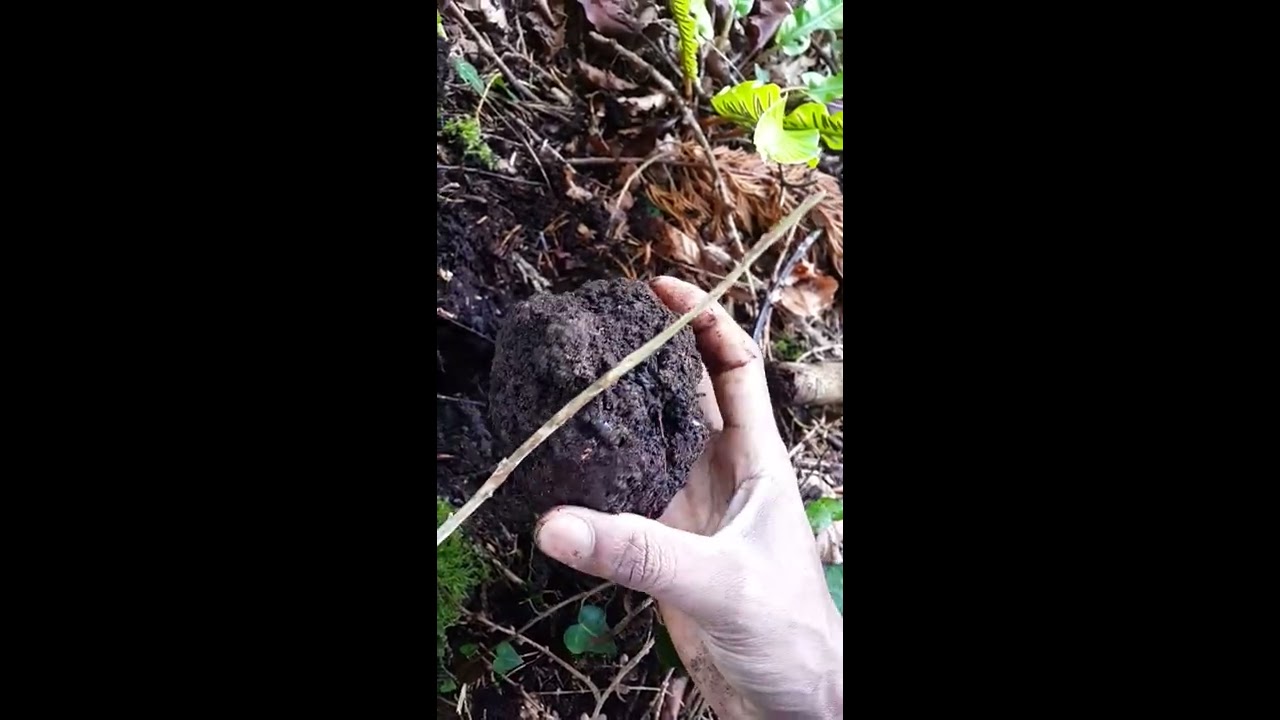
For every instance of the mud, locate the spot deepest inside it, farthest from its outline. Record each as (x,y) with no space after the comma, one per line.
(630,449)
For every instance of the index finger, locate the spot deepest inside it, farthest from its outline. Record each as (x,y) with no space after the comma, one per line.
(730,355)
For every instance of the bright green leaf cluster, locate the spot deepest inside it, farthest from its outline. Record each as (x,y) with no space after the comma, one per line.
(786,139)
(822,512)
(590,634)
(458,571)
(811,16)
(440,26)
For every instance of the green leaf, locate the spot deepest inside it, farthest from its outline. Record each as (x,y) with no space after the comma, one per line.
(742,8)
(835,585)
(822,512)
(779,144)
(468,72)
(591,634)
(446,686)
(813,15)
(579,640)
(814,116)
(822,88)
(668,658)
(762,75)
(440,26)
(746,102)
(505,658)
(702,17)
(592,618)
(467,649)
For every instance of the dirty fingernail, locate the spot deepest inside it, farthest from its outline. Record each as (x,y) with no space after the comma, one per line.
(566,538)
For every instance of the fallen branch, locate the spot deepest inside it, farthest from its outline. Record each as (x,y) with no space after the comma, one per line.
(794,384)
(509,463)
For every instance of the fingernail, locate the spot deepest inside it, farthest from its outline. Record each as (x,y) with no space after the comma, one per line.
(565,537)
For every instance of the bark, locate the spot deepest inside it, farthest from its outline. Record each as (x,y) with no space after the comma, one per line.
(794,384)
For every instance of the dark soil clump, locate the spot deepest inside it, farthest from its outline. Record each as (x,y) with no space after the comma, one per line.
(630,449)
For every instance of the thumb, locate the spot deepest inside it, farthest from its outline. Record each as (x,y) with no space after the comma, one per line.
(691,572)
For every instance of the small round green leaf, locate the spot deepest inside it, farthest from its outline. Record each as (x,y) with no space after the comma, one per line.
(591,617)
(467,649)
(505,658)
(577,639)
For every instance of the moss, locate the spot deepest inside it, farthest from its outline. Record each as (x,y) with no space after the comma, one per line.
(458,571)
(465,131)
(787,349)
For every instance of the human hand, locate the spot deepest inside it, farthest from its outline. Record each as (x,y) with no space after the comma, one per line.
(731,562)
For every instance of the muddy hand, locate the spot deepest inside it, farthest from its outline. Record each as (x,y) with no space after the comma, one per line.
(732,561)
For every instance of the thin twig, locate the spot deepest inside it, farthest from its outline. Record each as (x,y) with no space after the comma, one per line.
(600,699)
(541,648)
(627,364)
(617,206)
(456,13)
(656,707)
(775,292)
(499,176)
(446,315)
(580,596)
(465,401)
(617,630)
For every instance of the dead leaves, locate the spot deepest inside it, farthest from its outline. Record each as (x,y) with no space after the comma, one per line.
(611,17)
(678,246)
(808,292)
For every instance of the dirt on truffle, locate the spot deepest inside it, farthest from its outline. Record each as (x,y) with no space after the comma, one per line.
(631,448)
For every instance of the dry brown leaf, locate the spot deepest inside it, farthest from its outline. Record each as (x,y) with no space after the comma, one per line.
(611,17)
(491,10)
(677,245)
(603,78)
(807,291)
(717,258)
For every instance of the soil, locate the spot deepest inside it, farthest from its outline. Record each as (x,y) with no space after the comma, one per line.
(631,448)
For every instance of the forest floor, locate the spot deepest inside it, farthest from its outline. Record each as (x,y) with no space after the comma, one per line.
(561,158)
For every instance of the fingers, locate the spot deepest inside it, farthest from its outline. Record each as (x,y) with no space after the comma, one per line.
(689,571)
(730,355)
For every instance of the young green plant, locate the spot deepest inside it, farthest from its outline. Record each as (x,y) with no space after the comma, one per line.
(780,137)
(590,634)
